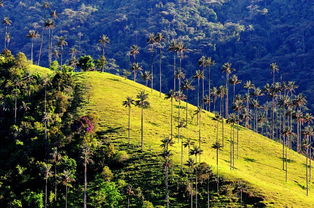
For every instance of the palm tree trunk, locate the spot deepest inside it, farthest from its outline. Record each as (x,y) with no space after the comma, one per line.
(85,183)
(160,71)
(46,192)
(227,96)
(55,182)
(198,92)
(209,93)
(171,119)
(203,89)
(196,190)
(66,196)
(15,108)
(167,187)
(186,113)
(129,126)
(174,72)
(49,48)
(307,174)
(41,47)
(32,50)
(142,129)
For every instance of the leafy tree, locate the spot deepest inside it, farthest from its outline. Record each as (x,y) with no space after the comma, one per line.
(86,63)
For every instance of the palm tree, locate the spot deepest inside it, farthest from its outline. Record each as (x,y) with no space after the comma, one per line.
(32,34)
(198,75)
(210,63)
(134,51)
(234,80)
(274,68)
(307,132)
(191,165)
(62,43)
(147,76)
(87,159)
(160,38)
(196,151)
(67,179)
(151,49)
(171,95)
(128,104)
(166,155)
(248,85)
(142,103)
(187,85)
(214,95)
(103,40)
(6,22)
(217,146)
(56,157)
(50,25)
(287,133)
(202,62)
(226,68)
(198,112)
(135,69)
(46,170)
(174,48)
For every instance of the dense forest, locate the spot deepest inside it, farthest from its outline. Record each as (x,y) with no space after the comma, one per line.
(249,34)
(248,62)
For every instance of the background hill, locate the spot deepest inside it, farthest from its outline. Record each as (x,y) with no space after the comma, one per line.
(250,34)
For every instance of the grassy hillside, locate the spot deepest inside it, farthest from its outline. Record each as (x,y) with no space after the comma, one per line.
(259,162)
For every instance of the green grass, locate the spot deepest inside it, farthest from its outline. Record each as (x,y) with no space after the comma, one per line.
(259,162)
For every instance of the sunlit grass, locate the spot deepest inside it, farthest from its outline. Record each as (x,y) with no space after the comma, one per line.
(259,162)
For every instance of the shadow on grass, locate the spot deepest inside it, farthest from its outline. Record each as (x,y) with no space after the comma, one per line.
(114,79)
(300,185)
(247,159)
(288,160)
(110,130)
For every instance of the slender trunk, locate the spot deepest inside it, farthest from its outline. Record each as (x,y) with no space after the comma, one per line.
(160,71)
(198,92)
(49,48)
(66,196)
(134,76)
(171,119)
(208,193)
(203,89)
(174,72)
(55,182)
(85,183)
(186,113)
(61,56)
(227,96)
(5,40)
(167,187)
(46,192)
(129,126)
(307,167)
(209,88)
(32,50)
(238,141)
(142,129)
(196,190)
(15,108)
(41,47)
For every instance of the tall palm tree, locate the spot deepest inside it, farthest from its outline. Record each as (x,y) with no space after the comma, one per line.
(214,95)
(166,154)
(210,63)
(234,80)
(174,48)
(191,166)
(202,62)
(134,51)
(67,179)
(160,38)
(274,69)
(103,40)
(287,133)
(151,49)
(226,68)
(62,43)
(135,68)
(142,103)
(56,157)
(248,85)
(49,25)
(147,76)
(307,132)
(198,112)
(128,104)
(196,151)
(87,159)
(186,86)
(32,34)
(171,95)
(46,170)
(217,146)
(198,75)
(6,22)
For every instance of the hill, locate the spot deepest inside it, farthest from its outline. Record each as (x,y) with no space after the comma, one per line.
(259,163)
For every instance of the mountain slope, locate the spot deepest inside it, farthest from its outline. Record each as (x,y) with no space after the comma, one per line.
(259,161)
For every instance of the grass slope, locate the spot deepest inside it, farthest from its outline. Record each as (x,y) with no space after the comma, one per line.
(259,162)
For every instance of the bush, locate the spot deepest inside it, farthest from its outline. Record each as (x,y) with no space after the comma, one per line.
(107,173)
(121,157)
